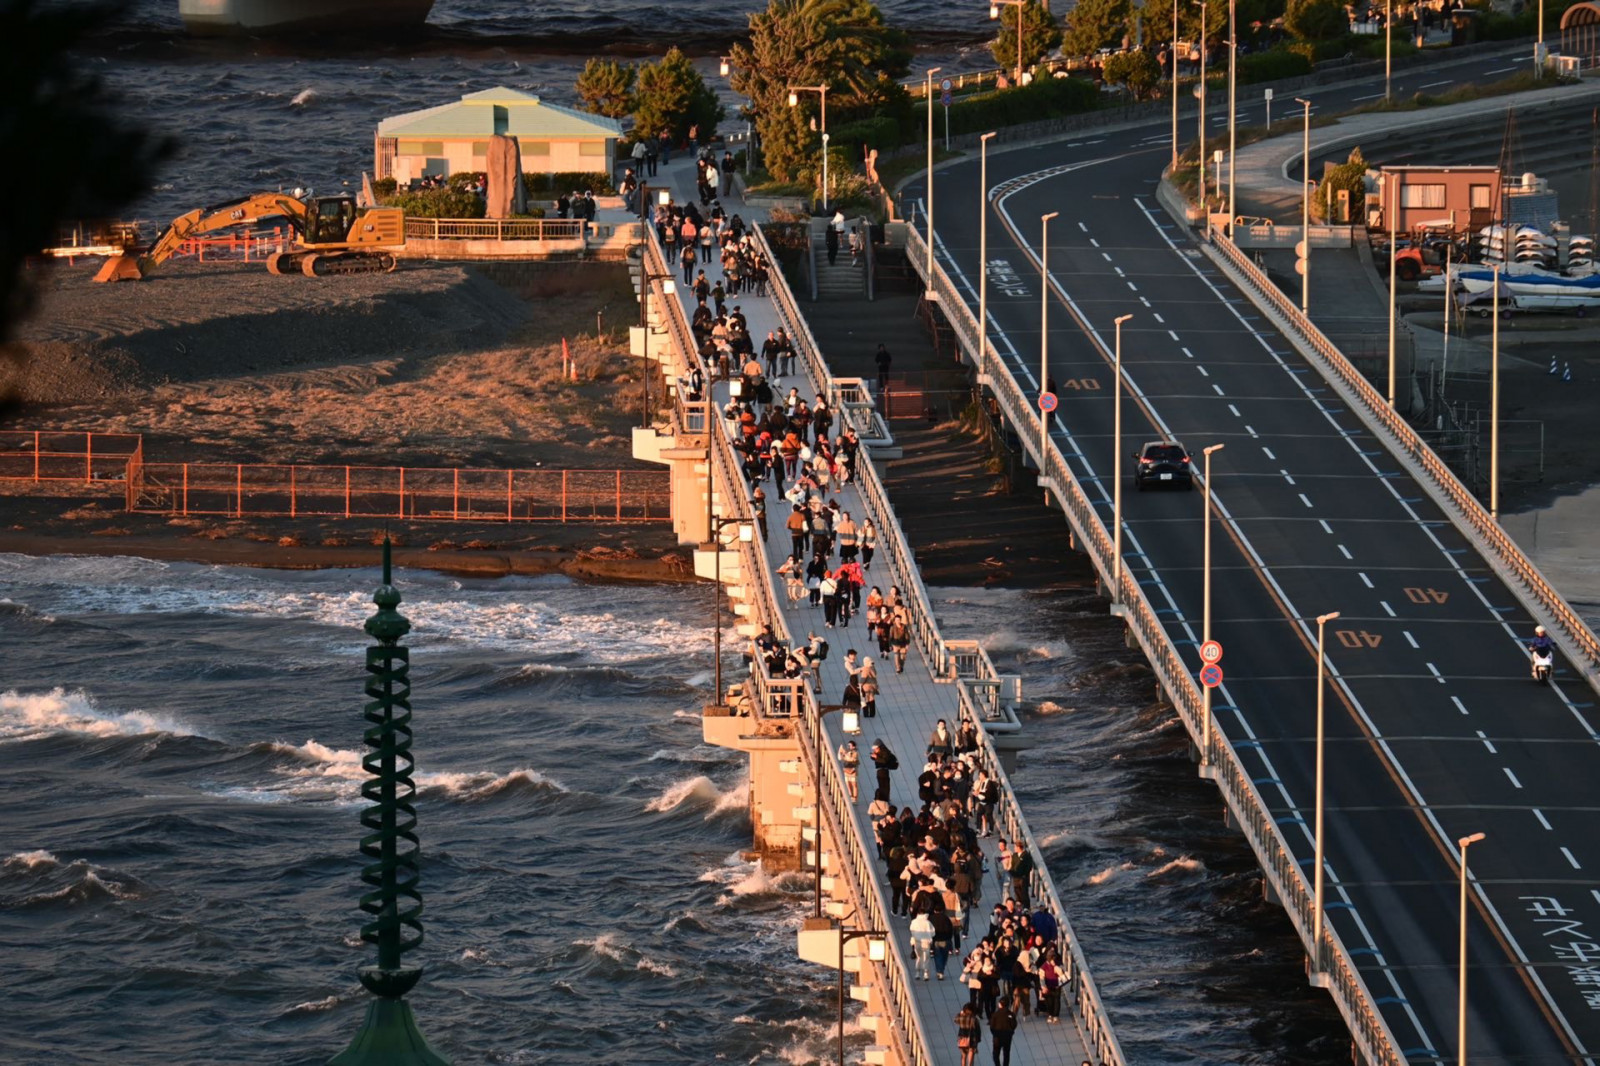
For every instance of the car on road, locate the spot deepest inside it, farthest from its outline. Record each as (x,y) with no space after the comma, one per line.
(1162,462)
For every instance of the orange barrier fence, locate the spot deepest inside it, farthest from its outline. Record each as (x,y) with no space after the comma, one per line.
(254,490)
(90,458)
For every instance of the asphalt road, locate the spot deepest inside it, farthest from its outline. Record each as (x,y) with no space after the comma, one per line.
(1434,730)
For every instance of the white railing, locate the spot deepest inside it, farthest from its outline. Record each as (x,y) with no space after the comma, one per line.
(1283,872)
(1463,508)
(494,229)
(796,700)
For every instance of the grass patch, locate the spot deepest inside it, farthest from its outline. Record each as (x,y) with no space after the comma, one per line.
(899,168)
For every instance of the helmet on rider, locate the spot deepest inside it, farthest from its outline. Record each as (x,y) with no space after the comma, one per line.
(1538,631)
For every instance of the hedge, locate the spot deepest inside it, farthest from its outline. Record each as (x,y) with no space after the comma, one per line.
(1043,98)
(880,132)
(552,185)
(1272,64)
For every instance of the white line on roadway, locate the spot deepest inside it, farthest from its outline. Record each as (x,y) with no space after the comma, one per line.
(1133,287)
(1120,274)
(1107,255)
(1385,605)
(1143,300)
(1174,336)
(1219,389)
(1365,580)
(1203,372)
(1570,859)
(1250,430)
(1285,474)
(1323,522)
(1537,813)
(1094,242)
(1268,453)
(1500,70)
(1185,351)
(1304,500)
(1436,84)
(1346,553)
(1434,670)
(1358,99)
(1159,319)
(1235,411)
(1411,640)
(1083,227)
(1462,707)
(1485,738)
(1514,782)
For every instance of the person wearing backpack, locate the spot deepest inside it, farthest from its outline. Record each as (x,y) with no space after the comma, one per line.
(886,762)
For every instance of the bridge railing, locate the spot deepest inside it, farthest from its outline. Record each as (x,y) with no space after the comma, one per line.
(1470,516)
(1283,871)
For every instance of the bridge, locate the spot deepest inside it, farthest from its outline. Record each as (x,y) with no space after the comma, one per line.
(1421,727)
(799,798)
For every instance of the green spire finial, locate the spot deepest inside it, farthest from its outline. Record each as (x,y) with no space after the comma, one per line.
(389,1035)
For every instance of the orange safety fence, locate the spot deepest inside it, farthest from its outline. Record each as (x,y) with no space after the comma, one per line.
(90,458)
(241,490)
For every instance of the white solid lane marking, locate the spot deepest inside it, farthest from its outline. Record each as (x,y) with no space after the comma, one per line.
(1120,274)
(1094,242)
(1537,813)
(1142,299)
(1570,859)
(1268,453)
(1365,580)
(1386,608)
(1436,84)
(1174,336)
(1323,522)
(1158,318)
(1304,500)
(1434,670)
(1235,411)
(1358,99)
(1083,227)
(1485,738)
(1203,372)
(1187,352)
(1346,553)
(1252,431)
(1219,390)
(1500,70)
(1515,783)
(1286,476)
(1462,707)
(1107,255)
(1411,640)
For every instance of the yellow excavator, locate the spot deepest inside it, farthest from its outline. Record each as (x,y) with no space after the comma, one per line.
(332,236)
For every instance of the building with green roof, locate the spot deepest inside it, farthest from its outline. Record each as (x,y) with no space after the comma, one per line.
(452,138)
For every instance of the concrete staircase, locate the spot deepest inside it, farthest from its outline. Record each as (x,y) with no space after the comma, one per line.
(841,281)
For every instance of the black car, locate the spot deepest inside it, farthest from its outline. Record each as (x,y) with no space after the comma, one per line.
(1162,462)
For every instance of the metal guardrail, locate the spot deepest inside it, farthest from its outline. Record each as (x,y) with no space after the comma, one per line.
(494,229)
(1283,871)
(1469,516)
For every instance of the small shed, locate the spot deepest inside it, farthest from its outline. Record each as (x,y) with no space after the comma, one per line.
(1580,31)
(1457,197)
(452,138)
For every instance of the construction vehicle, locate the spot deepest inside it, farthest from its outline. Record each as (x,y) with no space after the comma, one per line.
(332,236)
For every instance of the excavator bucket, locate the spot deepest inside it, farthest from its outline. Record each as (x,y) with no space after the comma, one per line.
(120,268)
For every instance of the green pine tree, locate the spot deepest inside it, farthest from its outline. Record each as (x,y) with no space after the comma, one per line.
(606,87)
(1041,33)
(672,96)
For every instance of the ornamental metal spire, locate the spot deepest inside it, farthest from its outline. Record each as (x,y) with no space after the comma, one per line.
(389,1036)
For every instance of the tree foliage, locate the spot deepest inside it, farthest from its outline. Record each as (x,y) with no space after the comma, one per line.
(1095,24)
(83,162)
(1137,71)
(1350,175)
(843,44)
(672,96)
(1041,33)
(606,87)
(1316,20)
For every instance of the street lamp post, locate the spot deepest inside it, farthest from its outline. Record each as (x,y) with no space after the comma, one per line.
(1391,207)
(669,287)
(1201,96)
(877,951)
(983,252)
(816,752)
(1233,110)
(747,533)
(1316,906)
(794,101)
(1388,45)
(1044,334)
(1494,401)
(1116,472)
(994,13)
(1205,622)
(1305,209)
(927,90)
(1216,161)
(1538,46)
(1173,55)
(1461,976)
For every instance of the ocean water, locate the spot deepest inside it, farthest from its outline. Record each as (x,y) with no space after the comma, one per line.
(261,114)
(179,771)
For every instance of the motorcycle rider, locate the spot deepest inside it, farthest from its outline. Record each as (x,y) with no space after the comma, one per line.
(1542,650)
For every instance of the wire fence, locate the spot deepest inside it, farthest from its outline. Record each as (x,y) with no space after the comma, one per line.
(86,458)
(255,490)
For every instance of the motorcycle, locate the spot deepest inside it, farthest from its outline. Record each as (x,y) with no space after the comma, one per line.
(1543,662)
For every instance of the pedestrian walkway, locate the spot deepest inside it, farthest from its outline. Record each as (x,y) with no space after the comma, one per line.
(909,706)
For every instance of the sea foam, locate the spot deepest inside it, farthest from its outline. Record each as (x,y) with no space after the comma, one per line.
(28,715)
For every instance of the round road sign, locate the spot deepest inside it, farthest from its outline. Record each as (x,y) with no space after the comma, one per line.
(1047,402)
(946,84)
(1211,675)
(1211,652)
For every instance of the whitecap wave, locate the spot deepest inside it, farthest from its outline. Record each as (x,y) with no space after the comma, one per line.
(701,791)
(1182,865)
(31,860)
(27,716)
(1108,874)
(303,97)
(314,1006)
(606,946)
(323,767)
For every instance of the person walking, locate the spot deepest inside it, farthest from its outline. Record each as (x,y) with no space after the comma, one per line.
(900,641)
(686,259)
(884,761)
(1002,1026)
(969,1034)
(884,361)
(869,688)
(922,943)
(868,535)
(943,938)
(831,241)
(1021,871)
(850,757)
(855,246)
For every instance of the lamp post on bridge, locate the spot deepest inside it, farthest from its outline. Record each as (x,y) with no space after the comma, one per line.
(1233,110)
(1044,334)
(669,287)
(1319,979)
(1461,976)
(1116,472)
(794,101)
(877,951)
(747,533)
(1205,623)
(927,91)
(1174,58)
(1305,209)
(1200,94)
(994,13)
(816,752)
(983,252)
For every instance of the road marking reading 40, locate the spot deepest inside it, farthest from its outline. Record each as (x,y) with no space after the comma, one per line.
(1351,638)
(1426,596)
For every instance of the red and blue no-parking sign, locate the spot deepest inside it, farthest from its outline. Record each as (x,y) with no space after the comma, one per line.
(1047,402)
(1211,675)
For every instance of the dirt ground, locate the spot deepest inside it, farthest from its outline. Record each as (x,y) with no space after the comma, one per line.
(435,365)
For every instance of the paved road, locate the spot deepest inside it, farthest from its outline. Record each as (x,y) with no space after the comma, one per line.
(1434,730)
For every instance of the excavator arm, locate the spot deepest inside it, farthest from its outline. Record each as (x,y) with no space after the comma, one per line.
(130,267)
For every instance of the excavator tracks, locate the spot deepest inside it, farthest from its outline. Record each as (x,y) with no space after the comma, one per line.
(328,264)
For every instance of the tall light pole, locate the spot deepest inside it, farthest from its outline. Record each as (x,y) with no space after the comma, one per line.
(1174,57)
(794,101)
(1044,334)
(816,749)
(1202,98)
(877,951)
(1205,621)
(994,13)
(669,287)
(1116,471)
(1494,402)
(1317,909)
(983,252)
(1388,45)
(747,533)
(1391,207)
(927,90)
(1305,210)
(1461,976)
(1233,110)
(1538,45)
